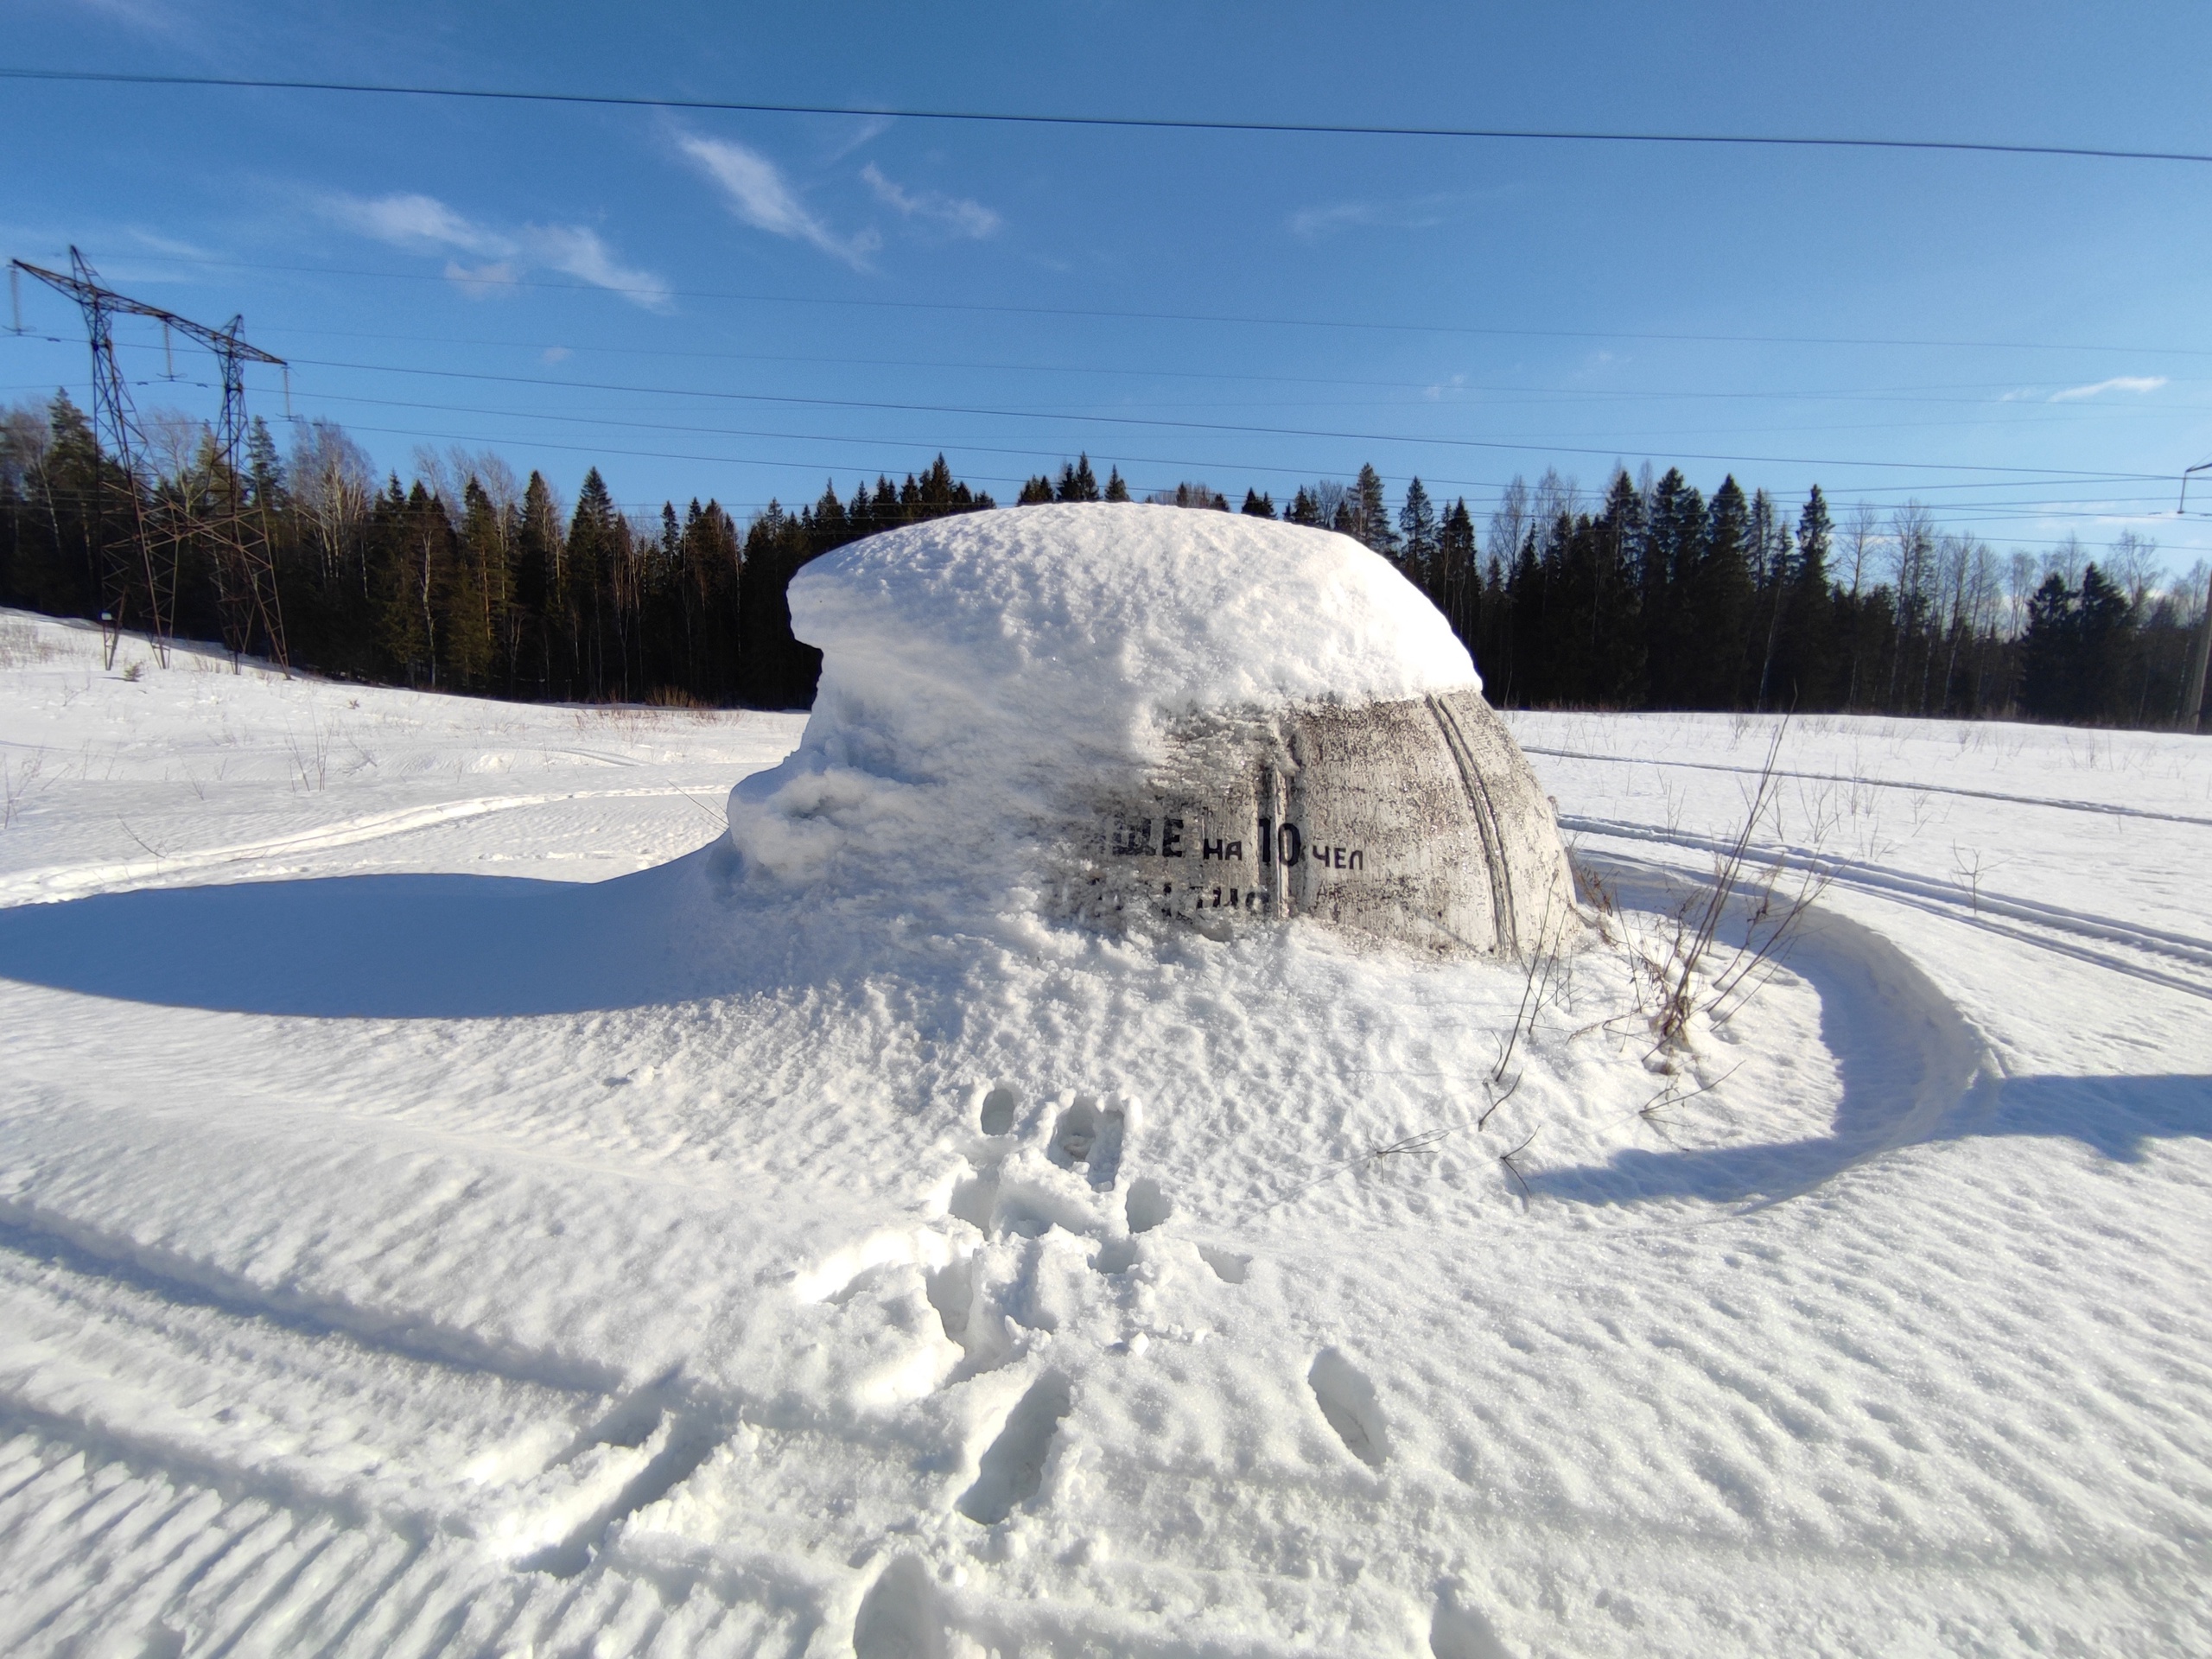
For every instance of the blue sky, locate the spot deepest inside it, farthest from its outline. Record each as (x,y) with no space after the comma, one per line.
(744,306)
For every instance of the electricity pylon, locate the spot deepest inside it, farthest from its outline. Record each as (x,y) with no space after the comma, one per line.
(238,541)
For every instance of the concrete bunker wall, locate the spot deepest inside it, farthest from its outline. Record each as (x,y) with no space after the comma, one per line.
(1418,821)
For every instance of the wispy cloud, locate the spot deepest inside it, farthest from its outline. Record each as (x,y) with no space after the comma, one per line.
(422,224)
(2137,383)
(758,192)
(170,245)
(1311,224)
(156,15)
(956,213)
(482,281)
(866,132)
(576,251)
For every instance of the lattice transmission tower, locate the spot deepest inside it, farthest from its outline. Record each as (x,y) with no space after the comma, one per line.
(158,524)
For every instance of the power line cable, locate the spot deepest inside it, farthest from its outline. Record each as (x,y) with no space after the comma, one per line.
(993,307)
(1150,123)
(970,447)
(1209,426)
(1877,394)
(1479,396)
(986,478)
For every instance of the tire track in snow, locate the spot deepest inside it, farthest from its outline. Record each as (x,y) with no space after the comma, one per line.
(1910,1060)
(61,881)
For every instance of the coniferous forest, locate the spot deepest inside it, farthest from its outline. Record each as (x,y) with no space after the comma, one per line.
(1649,594)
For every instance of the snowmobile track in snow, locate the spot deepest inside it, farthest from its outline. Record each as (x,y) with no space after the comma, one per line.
(81,880)
(2024,919)
(2107,808)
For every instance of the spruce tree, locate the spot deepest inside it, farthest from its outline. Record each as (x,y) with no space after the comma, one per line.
(1616,636)
(1719,601)
(1807,655)
(2104,632)
(1372,512)
(1035,493)
(1078,482)
(1674,534)
(538,589)
(2047,651)
(480,590)
(1417,533)
(1117,490)
(265,468)
(588,560)
(1257,505)
(1454,581)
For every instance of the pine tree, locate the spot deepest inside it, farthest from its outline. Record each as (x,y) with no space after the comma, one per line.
(1116,489)
(1035,493)
(1302,510)
(1257,505)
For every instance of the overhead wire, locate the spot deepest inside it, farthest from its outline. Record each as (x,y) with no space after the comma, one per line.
(1154,124)
(1101,313)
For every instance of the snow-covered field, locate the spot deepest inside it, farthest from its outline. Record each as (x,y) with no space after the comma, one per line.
(444,1209)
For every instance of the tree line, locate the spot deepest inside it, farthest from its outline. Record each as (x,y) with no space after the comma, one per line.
(1647,594)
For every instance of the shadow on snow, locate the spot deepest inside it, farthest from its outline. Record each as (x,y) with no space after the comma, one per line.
(398,946)
(1913,1070)
(465,946)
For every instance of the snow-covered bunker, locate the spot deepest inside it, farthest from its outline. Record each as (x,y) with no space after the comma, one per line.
(1115,711)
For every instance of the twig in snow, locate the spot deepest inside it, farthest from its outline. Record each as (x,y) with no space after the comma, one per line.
(135,836)
(1513,1169)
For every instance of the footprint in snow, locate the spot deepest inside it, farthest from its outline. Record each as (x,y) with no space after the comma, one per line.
(1348,1401)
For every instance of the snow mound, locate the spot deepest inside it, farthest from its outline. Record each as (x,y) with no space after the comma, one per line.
(976,668)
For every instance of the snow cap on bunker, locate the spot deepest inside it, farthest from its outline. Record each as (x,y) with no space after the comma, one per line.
(1117,710)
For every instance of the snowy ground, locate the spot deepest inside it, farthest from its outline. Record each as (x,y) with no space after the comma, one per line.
(444,1208)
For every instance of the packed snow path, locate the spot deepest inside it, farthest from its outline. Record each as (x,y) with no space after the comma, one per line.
(436,1215)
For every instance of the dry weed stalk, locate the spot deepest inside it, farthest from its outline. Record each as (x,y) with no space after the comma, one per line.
(1693,971)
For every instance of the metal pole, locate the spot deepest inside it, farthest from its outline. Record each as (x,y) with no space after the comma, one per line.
(2192,696)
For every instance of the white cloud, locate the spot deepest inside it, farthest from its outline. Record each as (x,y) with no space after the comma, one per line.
(171,245)
(956,213)
(152,15)
(482,281)
(758,193)
(423,224)
(415,222)
(556,354)
(2117,383)
(867,132)
(578,251)
(1311,224)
